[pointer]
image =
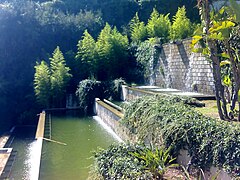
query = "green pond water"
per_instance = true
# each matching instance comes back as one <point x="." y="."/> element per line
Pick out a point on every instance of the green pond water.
<point x="70" y="162"/>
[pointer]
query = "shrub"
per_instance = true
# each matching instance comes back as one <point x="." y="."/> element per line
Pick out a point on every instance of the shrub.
<point x="87" y="91"/>
<point x="145" y="55"/>
<point x="167" y="120"/>
<point x="117" y="89"/>
<point x="131" y="161"/>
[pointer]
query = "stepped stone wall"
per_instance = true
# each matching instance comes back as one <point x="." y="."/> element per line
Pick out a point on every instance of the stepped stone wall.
<point x="177" y="67"/>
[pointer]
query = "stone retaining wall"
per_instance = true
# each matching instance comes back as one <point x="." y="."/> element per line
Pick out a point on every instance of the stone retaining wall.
<point x="177" y="67"/>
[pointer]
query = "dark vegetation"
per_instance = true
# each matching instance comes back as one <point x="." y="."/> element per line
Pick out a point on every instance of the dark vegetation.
<point x="31" y="30"/>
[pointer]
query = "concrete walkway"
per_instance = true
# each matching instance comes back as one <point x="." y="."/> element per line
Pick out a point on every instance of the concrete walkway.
<point x="4" y="152"/>
<point x="4" y="155"/>
<point x="3" y="140"/>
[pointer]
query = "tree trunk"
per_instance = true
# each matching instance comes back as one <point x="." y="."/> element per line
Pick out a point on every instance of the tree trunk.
<point x="222" y="109"/>
<point x="217" y="82"/>
<point x="236" y="77"/>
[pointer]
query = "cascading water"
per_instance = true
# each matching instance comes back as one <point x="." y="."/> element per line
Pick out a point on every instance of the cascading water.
<point x="27" y="162"/>
<point x="189" y="76"/>
<point x="34" y="158"/>
<point x="168" y="78"/>
<point x="107" y="128"/>
<point x="71" y="101"/>
<point x="151" y="71"/>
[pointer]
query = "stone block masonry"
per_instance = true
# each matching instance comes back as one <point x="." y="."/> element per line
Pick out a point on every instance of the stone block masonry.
<point x="179" y="68"/>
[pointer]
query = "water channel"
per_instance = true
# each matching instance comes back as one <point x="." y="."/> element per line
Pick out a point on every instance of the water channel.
<point x="60" y="162"/>
<point x="72" y="161"/>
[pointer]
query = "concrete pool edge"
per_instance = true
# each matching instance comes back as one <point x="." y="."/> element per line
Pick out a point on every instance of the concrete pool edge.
<point x="111" y="116"/>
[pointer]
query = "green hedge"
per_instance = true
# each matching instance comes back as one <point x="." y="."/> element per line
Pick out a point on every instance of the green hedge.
<point x="169" y="120"/>
<point x="117" y="162"/>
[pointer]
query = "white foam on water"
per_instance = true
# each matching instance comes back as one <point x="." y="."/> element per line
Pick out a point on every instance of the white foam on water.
<point x="107" y="128"/>
<point x="188" y="94"/>
<point x="165" y="90"/>
<point x="33" y="163"/>
<point x="147" y="87"/>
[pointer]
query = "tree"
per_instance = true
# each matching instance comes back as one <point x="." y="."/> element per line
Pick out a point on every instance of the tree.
<point x="119" y="54"/>
<point x="181" y="26"/>
<point x="220" y="40"/>
<point x="59" y="77"/>
<point x="158" y="25"/>
<point x="42" y="84"/>
<point x="87" y="53"/>
<point x="111" y="48"/>
<point x="138" y="30"/>
<point x="103" y="49"/>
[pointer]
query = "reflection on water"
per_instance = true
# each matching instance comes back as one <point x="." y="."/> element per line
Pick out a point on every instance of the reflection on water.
<point x="82" y="136"/>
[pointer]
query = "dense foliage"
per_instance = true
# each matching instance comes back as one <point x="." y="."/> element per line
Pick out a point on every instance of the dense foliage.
<point x="106" y="58"/>
<point x="89" y="89"/>
<point x="132" y="161"/>
<point x="138" y="30"/>
<point x="31" y="30"/>
<point x="159" y="26"/>
<point x="50" y="83"/>
<point x="181" y="27"/>
<point x="168" y="120"/>
<point x="146" y="57"/>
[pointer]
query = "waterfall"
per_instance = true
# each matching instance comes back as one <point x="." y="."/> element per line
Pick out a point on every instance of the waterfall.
<point x="107" y="128"/>
<point x="168" y="78"/>
<point x="71" y="101"/>
<point x="152" y="78"/>
<point x="189" y="74"/>
<point x="34" y="159"/>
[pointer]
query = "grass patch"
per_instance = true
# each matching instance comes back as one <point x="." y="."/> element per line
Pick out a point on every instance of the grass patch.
<point x="211" y="109"/>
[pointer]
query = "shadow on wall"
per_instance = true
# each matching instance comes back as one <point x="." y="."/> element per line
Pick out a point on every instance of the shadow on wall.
<point x="177" y="67"/>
